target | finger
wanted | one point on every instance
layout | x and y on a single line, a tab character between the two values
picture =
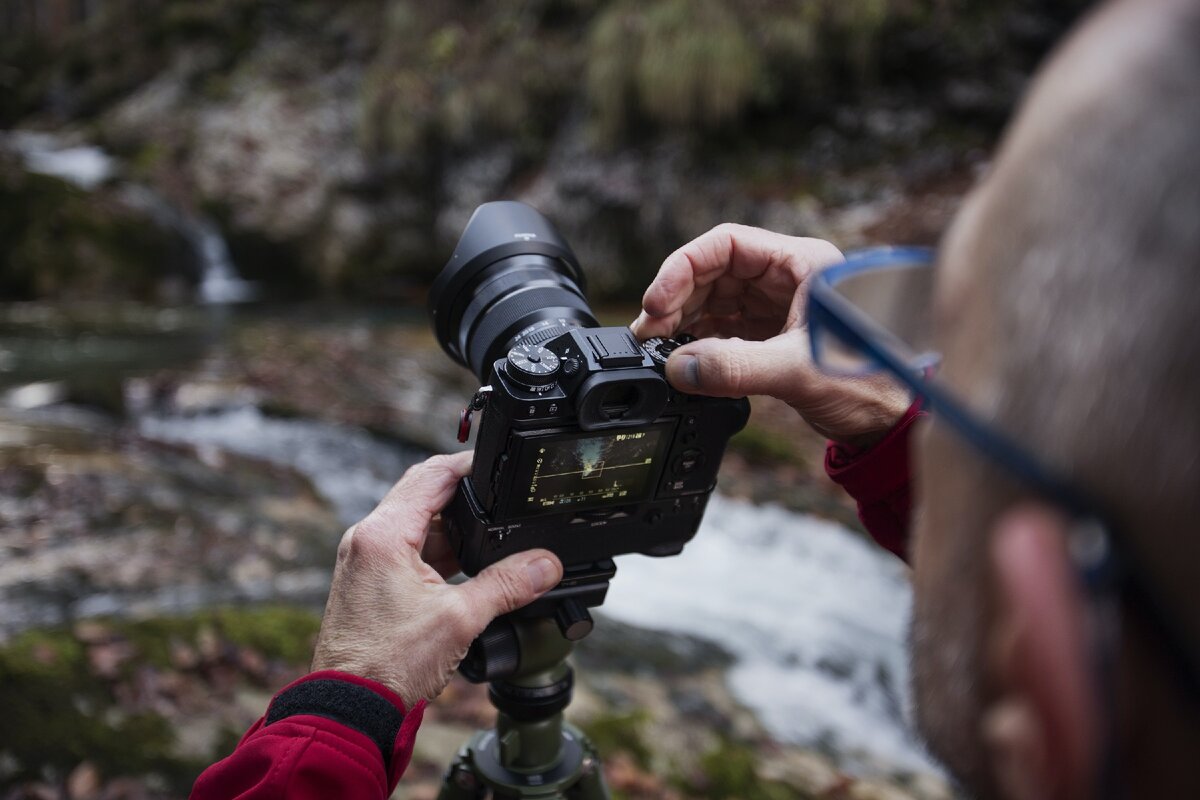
510	584
646	326
739	250
411	504
736	367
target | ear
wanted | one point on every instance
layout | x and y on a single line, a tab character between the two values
1041	729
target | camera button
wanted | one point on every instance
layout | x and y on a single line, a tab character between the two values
570	366
687	461
653	516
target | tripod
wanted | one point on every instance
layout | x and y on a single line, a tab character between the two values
532	752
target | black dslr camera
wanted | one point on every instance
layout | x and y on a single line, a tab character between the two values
584	448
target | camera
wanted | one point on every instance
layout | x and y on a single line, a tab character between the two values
583	447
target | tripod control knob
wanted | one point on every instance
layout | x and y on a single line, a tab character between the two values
573	619
494	654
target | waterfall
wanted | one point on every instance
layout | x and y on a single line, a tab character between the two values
219	281
89	167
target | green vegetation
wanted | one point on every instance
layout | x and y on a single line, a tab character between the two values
58	240
62	705
450	103
731	771
621	733
764	446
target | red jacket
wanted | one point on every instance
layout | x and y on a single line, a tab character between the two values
331	734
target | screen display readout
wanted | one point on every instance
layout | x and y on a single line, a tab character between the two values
587	471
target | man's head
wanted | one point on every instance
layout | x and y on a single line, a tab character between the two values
1069	316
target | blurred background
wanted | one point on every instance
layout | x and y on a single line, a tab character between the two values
218	222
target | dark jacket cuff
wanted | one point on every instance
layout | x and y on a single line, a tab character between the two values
359	703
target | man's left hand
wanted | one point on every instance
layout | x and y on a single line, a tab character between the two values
391	616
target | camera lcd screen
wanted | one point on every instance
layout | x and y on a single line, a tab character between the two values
588	470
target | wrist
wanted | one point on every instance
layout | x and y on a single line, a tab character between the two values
858	420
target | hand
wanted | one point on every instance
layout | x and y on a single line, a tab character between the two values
749	286
391	616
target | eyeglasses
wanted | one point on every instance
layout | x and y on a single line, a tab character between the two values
872	313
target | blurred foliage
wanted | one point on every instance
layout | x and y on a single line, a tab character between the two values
467	70
730	770
762	445
621	733
59	240
775	95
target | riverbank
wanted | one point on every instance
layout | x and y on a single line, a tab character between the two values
219	465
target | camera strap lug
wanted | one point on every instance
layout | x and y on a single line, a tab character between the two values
464	416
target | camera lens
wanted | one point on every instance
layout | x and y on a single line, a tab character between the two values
512	279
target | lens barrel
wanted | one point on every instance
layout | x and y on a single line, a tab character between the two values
512	279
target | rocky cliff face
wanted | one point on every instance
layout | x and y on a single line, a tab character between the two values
342	146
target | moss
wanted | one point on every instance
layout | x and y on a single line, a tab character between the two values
612	733
764	446
58	712
731	770
58	241
277	632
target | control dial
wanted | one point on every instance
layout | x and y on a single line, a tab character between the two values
660	348
533	366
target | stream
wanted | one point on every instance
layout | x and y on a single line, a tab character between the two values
816	616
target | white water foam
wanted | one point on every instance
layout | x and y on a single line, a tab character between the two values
816	615
84	165
350	468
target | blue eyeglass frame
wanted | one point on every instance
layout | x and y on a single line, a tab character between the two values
1106	566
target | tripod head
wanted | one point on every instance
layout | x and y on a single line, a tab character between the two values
532	752
502	650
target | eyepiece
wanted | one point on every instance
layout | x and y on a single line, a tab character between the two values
512	279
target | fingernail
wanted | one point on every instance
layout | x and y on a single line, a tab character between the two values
691	370
542	574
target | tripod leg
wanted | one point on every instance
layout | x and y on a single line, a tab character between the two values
460	781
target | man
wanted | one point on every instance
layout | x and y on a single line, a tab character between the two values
1067	317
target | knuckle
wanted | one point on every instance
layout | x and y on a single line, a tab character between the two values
346	544
361	540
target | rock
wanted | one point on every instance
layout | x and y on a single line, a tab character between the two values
92	632
183	655
89	520
107	658
83	783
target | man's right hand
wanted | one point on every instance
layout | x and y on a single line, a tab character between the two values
745	289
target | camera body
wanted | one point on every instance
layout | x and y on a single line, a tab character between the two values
583	447
595	457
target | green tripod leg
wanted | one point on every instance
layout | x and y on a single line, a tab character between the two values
532	752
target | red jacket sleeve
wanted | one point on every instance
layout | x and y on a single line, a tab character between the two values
879	481
329	734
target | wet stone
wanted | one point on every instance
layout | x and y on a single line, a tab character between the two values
182	523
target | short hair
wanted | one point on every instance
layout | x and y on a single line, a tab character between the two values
1092	281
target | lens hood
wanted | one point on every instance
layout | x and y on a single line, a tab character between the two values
496	231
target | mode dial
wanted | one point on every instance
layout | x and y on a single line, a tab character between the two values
533	366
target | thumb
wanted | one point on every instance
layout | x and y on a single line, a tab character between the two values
736	367
510	584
